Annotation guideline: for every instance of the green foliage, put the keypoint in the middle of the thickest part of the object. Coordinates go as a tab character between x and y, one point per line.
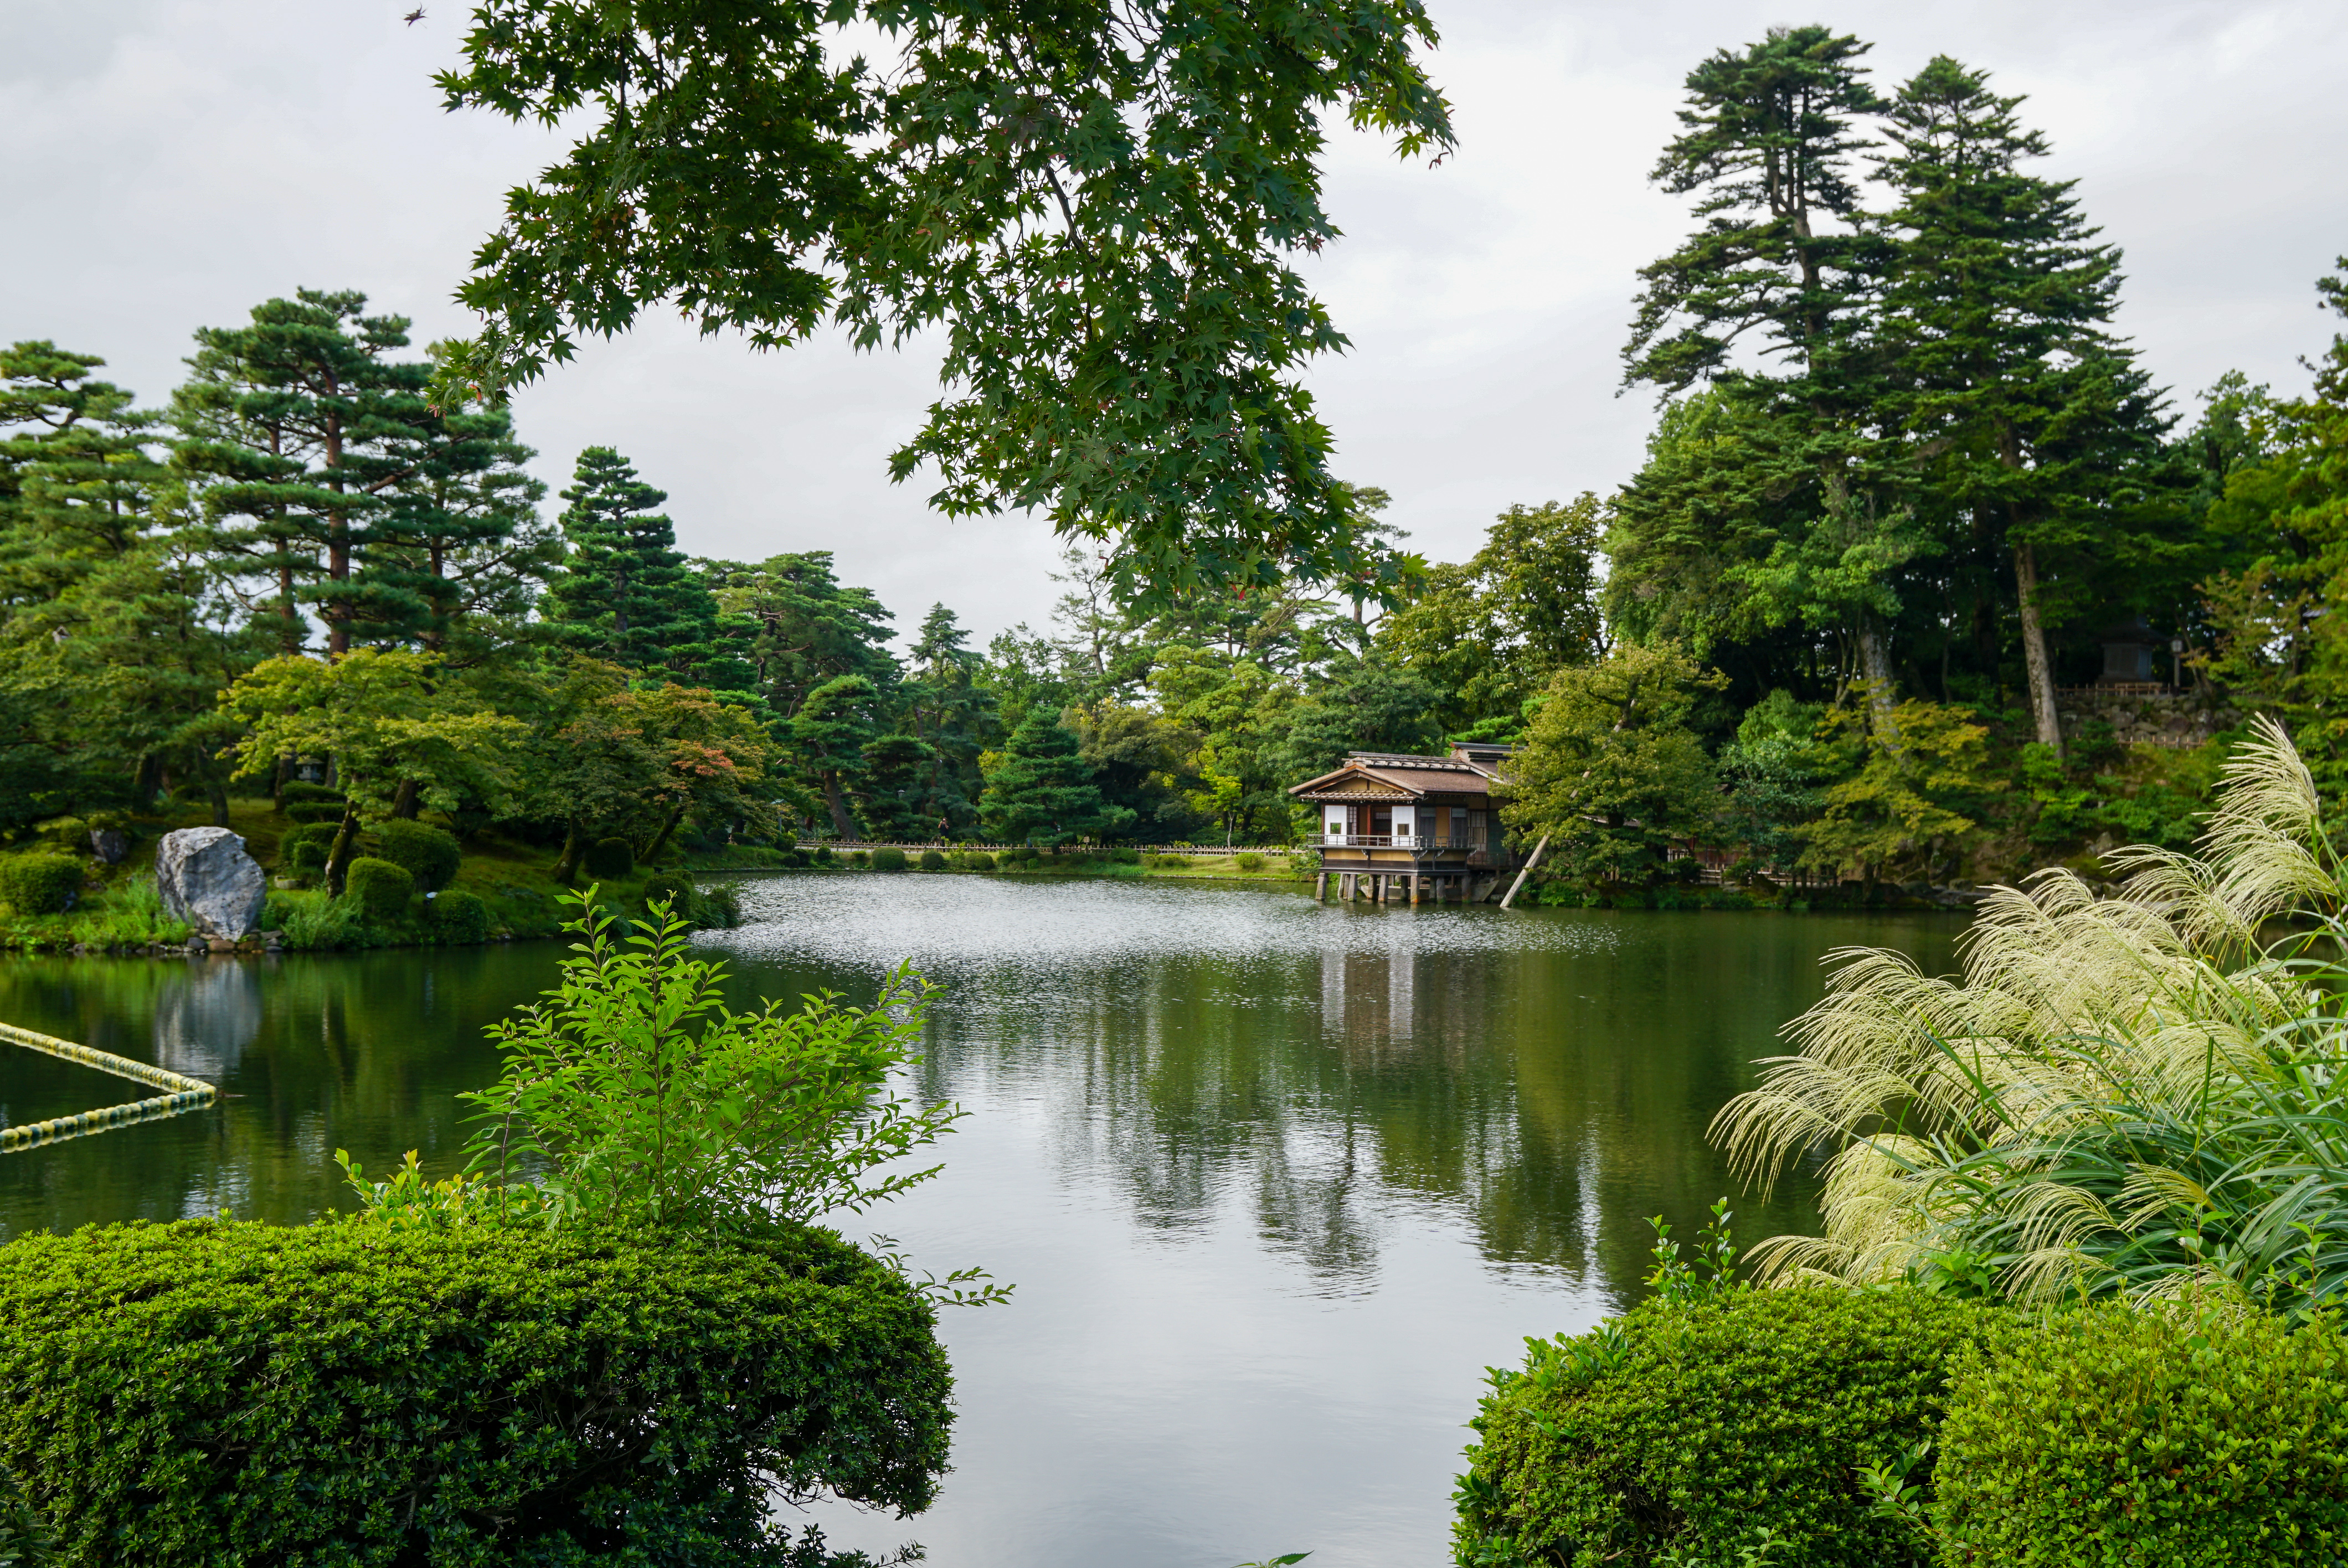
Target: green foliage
1250	864
979	861
889	860
309	812
2121	1097
429	854
716	908
609	858
39	883
933	860
2131	1439
25	1539
444	1397
1676	1432
1912	774
294	792
1043	791
380	890
1609	771
624	592
315	923
457	916
637	1091
1137	235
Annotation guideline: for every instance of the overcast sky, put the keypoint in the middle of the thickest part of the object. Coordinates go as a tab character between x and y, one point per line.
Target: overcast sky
169	163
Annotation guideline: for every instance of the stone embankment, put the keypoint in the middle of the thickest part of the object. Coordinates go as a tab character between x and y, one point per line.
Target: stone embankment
2146	715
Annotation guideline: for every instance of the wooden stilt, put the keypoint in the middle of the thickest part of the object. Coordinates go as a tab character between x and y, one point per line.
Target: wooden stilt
1321	889
1414	880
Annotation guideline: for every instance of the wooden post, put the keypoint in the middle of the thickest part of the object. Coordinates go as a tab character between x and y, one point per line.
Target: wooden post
1414	889
1344	887
1321	889
1527	871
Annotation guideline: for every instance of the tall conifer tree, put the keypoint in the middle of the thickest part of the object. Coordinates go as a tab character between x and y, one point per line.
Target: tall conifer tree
624	591
1998	320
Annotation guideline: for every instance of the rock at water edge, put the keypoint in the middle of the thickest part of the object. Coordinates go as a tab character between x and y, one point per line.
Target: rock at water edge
207	880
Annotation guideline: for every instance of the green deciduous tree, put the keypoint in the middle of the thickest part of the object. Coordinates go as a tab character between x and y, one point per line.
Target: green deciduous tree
391	721
1610	772
1098	206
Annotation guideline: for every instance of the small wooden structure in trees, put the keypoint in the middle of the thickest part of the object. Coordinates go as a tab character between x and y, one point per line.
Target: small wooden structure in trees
1397	825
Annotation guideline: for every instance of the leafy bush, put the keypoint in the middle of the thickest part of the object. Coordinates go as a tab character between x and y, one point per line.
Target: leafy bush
1693	1425
717	908
66	835
25	1539
888	860
457	916
609	858
379	888
40	884
313	922
791	857
367	1394
298	792
639	1092
1251	863
979	860
931	860
310	811
858	857
823	855
2147	1439
429	854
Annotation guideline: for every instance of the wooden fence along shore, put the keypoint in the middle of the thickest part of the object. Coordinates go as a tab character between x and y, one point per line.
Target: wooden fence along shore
181	1094
1207	851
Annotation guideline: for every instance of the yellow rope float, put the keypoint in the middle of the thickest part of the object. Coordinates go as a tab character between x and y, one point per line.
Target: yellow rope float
182	1092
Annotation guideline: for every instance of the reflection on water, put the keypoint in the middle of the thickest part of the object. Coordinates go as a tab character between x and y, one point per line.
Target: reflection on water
1275	1181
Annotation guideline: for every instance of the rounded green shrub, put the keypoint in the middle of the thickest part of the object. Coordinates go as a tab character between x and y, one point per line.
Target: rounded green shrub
2126	1438
1251	863
979	860
429	854
457	916
859	858
823	855
379	888
889	860
313	811
608	859
295	790
362	1393
931	860
40	884
1689	1429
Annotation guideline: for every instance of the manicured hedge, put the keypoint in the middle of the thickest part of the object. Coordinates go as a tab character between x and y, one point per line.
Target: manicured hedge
933	860
889	860
1690	1428
379	887
39	883
361	1395
2135	1438
607	858
426	853
457	916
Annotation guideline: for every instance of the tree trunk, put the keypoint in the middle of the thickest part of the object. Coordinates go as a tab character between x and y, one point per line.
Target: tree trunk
404	804
661	843
2034	649
338	860
143	784
840	822
277	777
1882	687
574	845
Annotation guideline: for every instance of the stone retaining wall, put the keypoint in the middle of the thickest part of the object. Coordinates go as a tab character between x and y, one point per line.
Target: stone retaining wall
2179	719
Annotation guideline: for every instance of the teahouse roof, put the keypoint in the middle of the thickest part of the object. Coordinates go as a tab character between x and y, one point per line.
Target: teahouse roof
1469	771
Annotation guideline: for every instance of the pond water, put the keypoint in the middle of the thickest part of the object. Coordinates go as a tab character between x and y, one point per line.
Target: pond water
1275	1182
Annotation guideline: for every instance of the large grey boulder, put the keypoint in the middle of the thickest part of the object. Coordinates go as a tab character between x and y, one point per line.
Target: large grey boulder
207	880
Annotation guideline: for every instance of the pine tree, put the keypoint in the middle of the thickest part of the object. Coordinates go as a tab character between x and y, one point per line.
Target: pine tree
838	720
285	423
457	553
1043	791
942	707
795	626
1998	320
1783	271
78	481
624	592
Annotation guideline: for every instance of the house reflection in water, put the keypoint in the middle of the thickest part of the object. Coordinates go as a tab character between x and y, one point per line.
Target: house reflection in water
1396	825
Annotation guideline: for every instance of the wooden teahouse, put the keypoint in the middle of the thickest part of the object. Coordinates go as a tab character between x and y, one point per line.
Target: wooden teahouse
1394	826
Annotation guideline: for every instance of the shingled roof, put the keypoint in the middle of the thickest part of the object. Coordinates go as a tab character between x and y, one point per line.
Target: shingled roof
1468	770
